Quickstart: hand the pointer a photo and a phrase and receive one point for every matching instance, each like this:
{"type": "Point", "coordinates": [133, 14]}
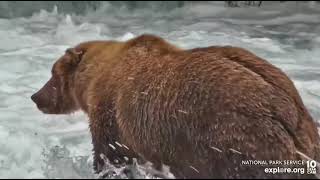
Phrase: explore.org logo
{"type": "Point", "coordinates": [284, 166]}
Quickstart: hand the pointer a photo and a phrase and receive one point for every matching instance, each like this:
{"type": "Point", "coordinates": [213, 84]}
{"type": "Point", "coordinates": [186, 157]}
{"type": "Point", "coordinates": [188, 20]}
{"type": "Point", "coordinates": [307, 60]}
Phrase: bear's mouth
{"type": "Point", "coordinates": [45, 110]}
{"type": "Point", "coordinates": [48, 110]}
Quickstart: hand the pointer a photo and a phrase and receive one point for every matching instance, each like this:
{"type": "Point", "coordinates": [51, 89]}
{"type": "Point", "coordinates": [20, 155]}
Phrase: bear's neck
{"type": "Point", "coordinates": [93, 72]}
{"type": "Point", "coordinates": [80, 92]}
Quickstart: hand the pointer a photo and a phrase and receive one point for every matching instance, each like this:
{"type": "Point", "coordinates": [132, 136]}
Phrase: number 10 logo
{"type": "Point", "coordinates": [311, 167]}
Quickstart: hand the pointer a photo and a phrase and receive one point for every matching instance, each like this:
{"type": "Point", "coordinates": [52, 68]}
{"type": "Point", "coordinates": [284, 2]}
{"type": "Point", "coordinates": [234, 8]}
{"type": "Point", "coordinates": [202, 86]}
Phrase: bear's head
{"type": "Point", "coordinates": [56, 96]}
{"type": "Point", "coordinates": [72, 74]}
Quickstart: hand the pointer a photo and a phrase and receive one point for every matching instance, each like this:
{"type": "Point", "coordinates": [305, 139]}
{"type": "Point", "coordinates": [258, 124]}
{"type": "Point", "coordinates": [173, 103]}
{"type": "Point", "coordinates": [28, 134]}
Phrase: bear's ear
{"type": "Point", "coordinates": [76, 55]}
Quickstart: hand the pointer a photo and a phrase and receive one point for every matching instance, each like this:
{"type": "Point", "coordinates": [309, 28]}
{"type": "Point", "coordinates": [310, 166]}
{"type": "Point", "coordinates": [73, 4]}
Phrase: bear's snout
{"type": "Point", "coordinates": [39, 100]}
{"type": "Point", "coordinates": [34, 98]}
{"type": "Point", "coordinates": [46, 98]}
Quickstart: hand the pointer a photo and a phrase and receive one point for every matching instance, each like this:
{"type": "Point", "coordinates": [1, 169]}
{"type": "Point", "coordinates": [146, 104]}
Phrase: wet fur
{"type": "Point", "coordinates": [200, 111]}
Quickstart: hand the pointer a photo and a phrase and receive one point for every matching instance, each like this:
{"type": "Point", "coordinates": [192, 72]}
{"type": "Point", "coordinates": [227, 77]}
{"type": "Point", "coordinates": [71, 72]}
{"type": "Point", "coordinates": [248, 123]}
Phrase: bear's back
{"type": "Point", "coordinates": [207, 108]}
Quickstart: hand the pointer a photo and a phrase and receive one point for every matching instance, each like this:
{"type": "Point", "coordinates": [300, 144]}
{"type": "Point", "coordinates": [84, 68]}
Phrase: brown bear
{"type": "Point", "coordinates": [203, 112]}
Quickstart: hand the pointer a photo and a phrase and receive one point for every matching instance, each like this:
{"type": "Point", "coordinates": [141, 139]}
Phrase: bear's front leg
{"type": "Point", "coordinates": [105, 139]}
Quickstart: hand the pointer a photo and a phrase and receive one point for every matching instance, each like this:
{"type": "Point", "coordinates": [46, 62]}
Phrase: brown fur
{"type": "Point", "coordinates": [182, 107]}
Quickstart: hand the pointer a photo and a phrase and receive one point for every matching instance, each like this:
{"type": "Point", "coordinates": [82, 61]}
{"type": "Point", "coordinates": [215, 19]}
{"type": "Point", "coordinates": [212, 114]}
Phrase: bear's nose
{"type": "Point", "coordinates": [36, 99]}
{"type": "Point", "coordinates": [33, 98]}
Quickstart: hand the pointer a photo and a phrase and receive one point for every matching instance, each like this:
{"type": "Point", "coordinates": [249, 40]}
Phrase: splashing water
{"type": "Point", "coordinates": [34, 145]}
